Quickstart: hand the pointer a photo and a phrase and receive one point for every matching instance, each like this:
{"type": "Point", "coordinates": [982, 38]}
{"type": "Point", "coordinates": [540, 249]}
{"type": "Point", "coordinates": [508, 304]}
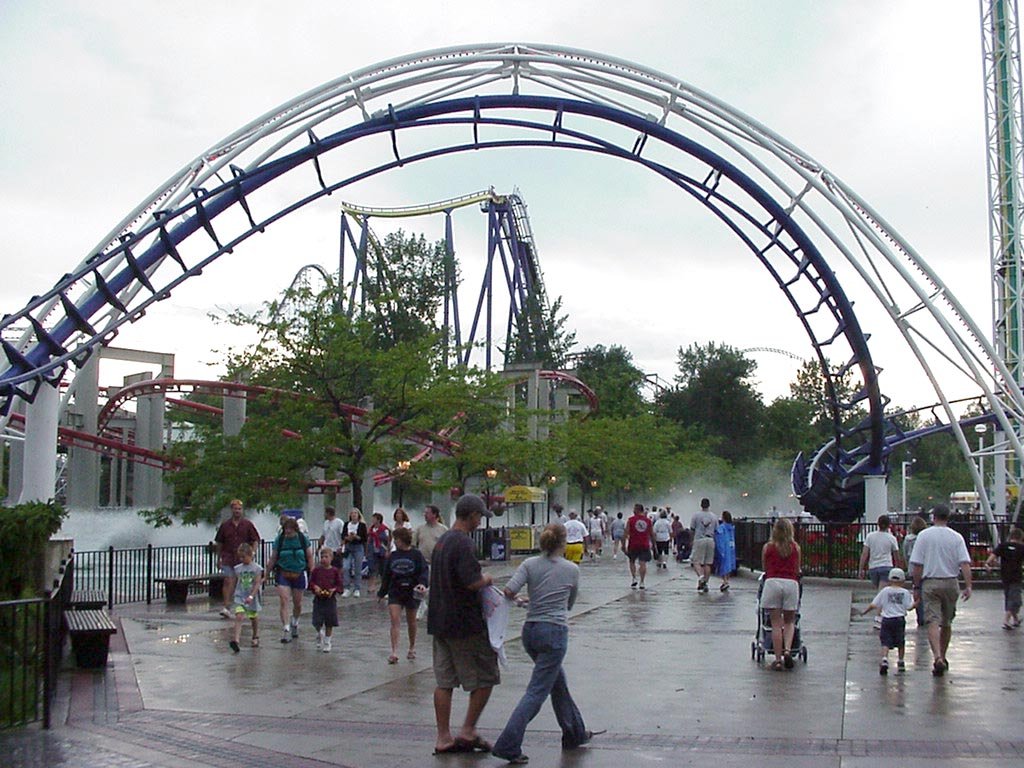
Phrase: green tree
{"type": "Point", "coordinates": [616, 381]}
{"type": "Point", "coordinates": [715, 394]}
{"type": "Point", "coordinates": [542, 335]}
{"type": "Point", "coordinates": [342, 399]}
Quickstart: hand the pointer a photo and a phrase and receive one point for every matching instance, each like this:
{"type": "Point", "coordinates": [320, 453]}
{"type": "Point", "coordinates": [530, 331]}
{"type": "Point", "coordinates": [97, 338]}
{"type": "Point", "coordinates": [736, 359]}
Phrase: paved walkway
{"type": "Point", "coordinates": [668, 672]}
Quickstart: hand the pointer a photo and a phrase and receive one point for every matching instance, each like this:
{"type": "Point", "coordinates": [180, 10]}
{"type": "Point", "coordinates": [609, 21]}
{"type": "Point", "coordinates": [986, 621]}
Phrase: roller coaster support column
{"type": "Point", "coordinates": [84, 465]}
{"type": "Point", "coordinates": [39, 472]}
{"type": "Point", "coordinates": [17, 467]}
{"type": "Point", "coordinates": [999, 478]}
{"type": "Point", "coordinates": [369, 487]}
{"type": "Point", "coordinates": [234, 413]}
{"type": "Point", "coordinates": [313, 507]}
{"type": "Point", "coordinates": [147, 486]}
{"type": "Point", "coordinates": [876, 499]}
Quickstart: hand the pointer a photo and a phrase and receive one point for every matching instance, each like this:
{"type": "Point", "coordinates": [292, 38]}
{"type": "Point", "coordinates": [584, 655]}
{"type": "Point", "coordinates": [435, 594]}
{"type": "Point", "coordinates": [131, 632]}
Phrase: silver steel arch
{"type": "Point", "coordinates": [946, 342]}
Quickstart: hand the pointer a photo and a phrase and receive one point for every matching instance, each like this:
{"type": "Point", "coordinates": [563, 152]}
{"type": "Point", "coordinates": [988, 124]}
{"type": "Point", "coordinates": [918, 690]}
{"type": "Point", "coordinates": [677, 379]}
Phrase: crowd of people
{"type": "Point", "coordinates": [433, 560]}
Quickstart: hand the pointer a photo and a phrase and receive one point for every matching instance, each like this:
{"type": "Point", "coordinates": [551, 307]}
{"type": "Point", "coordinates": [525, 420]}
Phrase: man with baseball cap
{"type": "Point", "coordinates": [462, 649]}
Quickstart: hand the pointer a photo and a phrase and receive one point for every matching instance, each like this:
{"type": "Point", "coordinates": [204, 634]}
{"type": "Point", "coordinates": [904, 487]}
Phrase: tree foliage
{"type": "Point", "coordinates": [616, 381]}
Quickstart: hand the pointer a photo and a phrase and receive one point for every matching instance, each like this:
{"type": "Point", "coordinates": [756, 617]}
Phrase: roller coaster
{"type": "Point", "coordinates": [798, 221]}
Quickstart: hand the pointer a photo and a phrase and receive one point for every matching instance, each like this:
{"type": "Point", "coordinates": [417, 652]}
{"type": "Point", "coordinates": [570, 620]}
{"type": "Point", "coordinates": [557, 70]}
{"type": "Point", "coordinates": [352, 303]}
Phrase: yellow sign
{"type": "Point", "coordinates": [518, 494]}
{"type": "Point", "coordinates": [520, 539]}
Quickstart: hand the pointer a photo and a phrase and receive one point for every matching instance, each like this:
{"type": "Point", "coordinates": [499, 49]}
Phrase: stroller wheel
{"type": "Point", "coordinates": [753, 650]}
{"type": "Point", "coordinates": [803, 654]}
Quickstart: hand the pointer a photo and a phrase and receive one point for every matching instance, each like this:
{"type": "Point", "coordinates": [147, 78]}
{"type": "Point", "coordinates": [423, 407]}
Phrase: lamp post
{"type": "Point", "coordinates": [403, 467]}
{"type": "Point", "coordinates": [552, 480]}
{"type": "Point", "coordinates": [981, 429]}
{"type": "Point", "coordinates": [593, 485]}
{"type": "Point", "coordinates": [904, 473]}
{"type": "Point", "coordinates": [491, 473]}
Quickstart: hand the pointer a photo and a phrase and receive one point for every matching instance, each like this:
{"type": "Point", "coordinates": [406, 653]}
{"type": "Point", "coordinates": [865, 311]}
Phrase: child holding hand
{"type": "Point", "coordinates": [892, 602]}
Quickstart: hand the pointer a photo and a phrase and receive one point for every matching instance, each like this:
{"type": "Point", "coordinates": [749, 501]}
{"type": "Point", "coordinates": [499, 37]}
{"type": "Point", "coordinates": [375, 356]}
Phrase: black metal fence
{"type": "Point", "coordinates": [31, 645]}
{"type": "Point", "coordinates": [833, 550]}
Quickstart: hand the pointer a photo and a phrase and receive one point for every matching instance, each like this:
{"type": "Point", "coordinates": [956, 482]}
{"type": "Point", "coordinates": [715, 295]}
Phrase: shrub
{"type": "Point", "coordinates": [24, 531]}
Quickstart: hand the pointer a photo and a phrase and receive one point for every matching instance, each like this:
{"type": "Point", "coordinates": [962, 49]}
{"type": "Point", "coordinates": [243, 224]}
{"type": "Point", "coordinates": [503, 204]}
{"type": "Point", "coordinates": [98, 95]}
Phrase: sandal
{"type": "Point", "coordinates": [392, 659]}
{"type": "Point", "coordinates": [787, 659]}
{"type": "Point", "coordinates": [411, 655]}
{"type": "Point", "coordinates": [256, 641]}
{"type": "Point", "coordinates": [776, 666]}
{"type": "Point", "coordinates": [476, 744]}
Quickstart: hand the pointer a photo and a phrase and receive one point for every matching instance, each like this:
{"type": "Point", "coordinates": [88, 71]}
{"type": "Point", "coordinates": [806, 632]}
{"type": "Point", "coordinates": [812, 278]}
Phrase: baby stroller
{"type": "Point", "coordinates": [762, 643]}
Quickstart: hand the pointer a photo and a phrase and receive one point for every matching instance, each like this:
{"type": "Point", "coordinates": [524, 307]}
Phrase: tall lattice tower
{"type": "Point", "coordinates": [1003, 124]}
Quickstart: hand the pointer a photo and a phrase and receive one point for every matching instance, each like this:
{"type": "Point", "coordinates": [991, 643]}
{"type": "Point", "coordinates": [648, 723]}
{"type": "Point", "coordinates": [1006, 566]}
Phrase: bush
{"type": "Point", "coordinates": [24, 531]}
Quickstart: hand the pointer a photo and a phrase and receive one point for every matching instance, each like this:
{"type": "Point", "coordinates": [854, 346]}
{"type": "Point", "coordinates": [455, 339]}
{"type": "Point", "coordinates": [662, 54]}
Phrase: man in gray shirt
{"type": "Point", "coordinates": [703, 524]}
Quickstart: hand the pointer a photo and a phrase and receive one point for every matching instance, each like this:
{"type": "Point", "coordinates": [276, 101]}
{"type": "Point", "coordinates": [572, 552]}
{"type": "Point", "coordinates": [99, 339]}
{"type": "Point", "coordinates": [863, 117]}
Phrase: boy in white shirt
{"type": "Point", "coordinates": [892, 602]}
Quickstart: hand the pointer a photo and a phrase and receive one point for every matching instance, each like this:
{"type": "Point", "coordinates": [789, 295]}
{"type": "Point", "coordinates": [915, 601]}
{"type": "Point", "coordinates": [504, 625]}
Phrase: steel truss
{"type": "Point", "coordinates": [800, 221]}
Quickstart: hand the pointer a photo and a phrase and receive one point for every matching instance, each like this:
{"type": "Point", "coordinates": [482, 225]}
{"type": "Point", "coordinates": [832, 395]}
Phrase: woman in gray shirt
{"type": "Point", "coordinates": [551, 581]}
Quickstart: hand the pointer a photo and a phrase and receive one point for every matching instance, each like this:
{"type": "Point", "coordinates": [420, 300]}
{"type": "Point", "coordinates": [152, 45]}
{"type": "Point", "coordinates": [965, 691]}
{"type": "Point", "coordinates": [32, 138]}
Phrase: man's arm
{"type": "Point", "coordinates": [865, 553]}
{"type": "Point", "coordinates": [965, 570]}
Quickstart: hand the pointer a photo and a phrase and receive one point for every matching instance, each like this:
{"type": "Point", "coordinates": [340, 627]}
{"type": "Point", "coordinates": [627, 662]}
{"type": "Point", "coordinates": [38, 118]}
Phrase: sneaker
{"type": "Point", "coordinates": [327, 645]}
{"type": "Point", "coordinates": [320, 640]}
{"type": "Point", "coordinates": [226, 613]}
{"type": "Point", "coordinates": [901, 667]}
{"type": "Point", "coordinates": [642, 587]}
{"type": "Point", "coordinates": [234, 646]}
{"type": "Point", "coordinates": [883, 668]}
{"type": "Point", "coordinates": [633, 585]}
{"type": "Point", "coordinates": [286, 636]}
{"type": "Point", "coordinates": [347, 593]}
{"type": "Point", "coordinates": [938, 669]}
{"type": "Point", "coordinates": [295, 628]}
{"type": "Point", "coordinates": [356, 593]}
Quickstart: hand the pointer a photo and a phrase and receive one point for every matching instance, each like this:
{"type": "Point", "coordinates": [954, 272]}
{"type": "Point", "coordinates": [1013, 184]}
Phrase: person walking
{"type": "Point", "coordinates": [1010, 557]}
{"type": "Point", "coordinates": [662, 530]}
{"type": "Point", "coordinates": [780, 595]}
{"type": "Point", "coordinates": [355, 551]}
{"type": "Point", "coordinates": [231, 534]}
{"type": "Point", "coordinates": [402, 582]}
{"type": "Point", "coordinates": [552, 583]}
{"type": "Point", "coordinates": [939, 554]}
{"type": "Point", "coordinates": [333, 535]}
{"type": "Point", "coordinates": [576, 533]}
{"type": "Point", "coordinates": [725, 550]}
{"type": "Point", "coordinates": [917, 525]}
{"type": "Point", "coordinates": [462, 652]}
{"type": "Point", "coordinates": [426, 536]}
{"type": "Point", "coordinates": [880, 554]}
{"type": "Point", "coordinates": [618, 531]}
{"type": "Point", "coordinates": [293, 557]}
{"type": "Point", "coordinates": [702, 557]}
{"type": "Point", "coordinates": [638, 544]}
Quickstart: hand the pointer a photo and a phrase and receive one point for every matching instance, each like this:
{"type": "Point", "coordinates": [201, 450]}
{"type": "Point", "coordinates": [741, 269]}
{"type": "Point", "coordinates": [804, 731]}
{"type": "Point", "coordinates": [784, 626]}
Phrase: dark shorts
{"type": "Point", "coordinates": [662, 547]}
{"type": "Point", "coordinates": [325, 612]}
{"type": "Point", "coordinates": [404, 599]}
{"type": "Point", "coordinates": [1011, 597]}
{"type": "Point", "coordinates": [643, 555]}
{"type": "Point", "coordinates": [893, 632]}
{"type": "Point", "coordinates": [299, 583]}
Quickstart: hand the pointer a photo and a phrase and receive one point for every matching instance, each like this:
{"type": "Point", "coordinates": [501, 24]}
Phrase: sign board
{"type": "Point", "coordinates": [520, 539]}
{"type": "Point", "coordinates": [518, 494]}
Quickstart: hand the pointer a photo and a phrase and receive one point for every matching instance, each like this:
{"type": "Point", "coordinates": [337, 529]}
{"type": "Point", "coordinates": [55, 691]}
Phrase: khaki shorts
{"type": "Point", "coordinates": [703, 552]}
{"type": "Point", "coordinates": [466, 661]}
{"type": "Point", "coordinates": [940, 596]}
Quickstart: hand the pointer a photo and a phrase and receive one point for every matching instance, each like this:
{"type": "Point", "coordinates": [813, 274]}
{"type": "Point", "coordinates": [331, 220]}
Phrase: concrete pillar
{"type": "Point", "coordinates": [544, 404]}
{"type": "Point", "coordinates": [39, 473]}
{"type": "Point", "coordinates": [147, 485]}
{"type": "Point", "coordinates": [234, 414]}
{"type": "Point", "coordinates": [875, 497]}
{"type": "Point", "coordinates": [313, 508]}
{"type": "Point", "coordinates": [84, 465]}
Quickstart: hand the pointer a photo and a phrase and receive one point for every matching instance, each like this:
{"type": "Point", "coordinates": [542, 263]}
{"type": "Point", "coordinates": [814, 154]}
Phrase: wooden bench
{"type": "Point", "coordinates": [90, 632]}
{"type": "Point", "coordinates": [176, 588]}
{"type": "Point", "coordinates": [87, 600]}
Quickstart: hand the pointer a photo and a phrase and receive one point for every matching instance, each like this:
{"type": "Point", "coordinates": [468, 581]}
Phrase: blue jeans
{"type": "Point", "coordinates": [353, 563]}
{"type": "Point", "coordinates": [547, 644]}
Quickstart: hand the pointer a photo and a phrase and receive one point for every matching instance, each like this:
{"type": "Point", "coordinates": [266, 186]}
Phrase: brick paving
{"type": "Point", "coordinates": [172, 695]}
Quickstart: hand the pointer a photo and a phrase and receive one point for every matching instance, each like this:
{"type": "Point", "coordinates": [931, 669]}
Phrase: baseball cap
{"type": "Point", "coordinates": [897, 574]}
{"type": "Point", "coordinates": [470, 503]}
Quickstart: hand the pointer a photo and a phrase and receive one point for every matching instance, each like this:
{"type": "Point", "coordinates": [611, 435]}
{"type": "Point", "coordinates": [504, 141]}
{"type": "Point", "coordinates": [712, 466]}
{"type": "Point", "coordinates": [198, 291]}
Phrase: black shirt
{"type": "Point", "coordinates": [1011, 555]}
{"type": "Point", "coordinates": [454, 610]}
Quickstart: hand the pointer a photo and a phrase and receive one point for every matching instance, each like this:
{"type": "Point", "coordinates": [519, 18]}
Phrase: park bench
{"type": "Point", "coordinates": [90, 632]}
{"type": "Point", "coordinates": [87, 599]}
{"type": "Point", "coordinates": [176, 587]}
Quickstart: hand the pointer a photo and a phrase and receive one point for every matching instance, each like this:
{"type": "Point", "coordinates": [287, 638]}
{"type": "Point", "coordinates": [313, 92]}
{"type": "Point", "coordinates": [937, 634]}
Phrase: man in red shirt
{"type": "Point", "coordinates": [232, 532]}
{"type": "Point", "coordinates": [638, 543]}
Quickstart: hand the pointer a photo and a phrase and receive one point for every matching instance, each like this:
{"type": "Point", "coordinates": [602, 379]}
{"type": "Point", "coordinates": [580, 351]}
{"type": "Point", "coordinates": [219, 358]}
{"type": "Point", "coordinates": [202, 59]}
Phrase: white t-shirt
{"type": "Point", "coordinates": [662, 529]}
{"type": "Point", "coordinates": [894, 602]}
{"type": "Point", "coordinates": [596, 527]}
{"type": "Point", "coordinates": [940, 550]}
{"type": "Point", "coordinates": [575, 531]}
{"type": "Point", "coordinates": [333, 529]}
{"type": "Point", "coordinates": [881, 546]}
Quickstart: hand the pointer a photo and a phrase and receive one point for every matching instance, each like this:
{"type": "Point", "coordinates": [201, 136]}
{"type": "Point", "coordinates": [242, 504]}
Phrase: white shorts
{"type": "Point", "coordinates": [780, 593]}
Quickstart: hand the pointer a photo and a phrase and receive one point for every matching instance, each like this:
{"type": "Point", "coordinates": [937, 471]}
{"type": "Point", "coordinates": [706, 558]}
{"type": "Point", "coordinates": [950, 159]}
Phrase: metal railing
{"type": "Point", "coordinates": [833, 550]}
{"type": "Point", "coordinates": [31, 646]}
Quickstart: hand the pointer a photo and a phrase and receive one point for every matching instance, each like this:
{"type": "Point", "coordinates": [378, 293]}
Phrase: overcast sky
{"type": "Point", "coordinates": [105, 100]}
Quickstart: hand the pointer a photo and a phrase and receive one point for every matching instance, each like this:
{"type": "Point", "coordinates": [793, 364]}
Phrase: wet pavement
{"type": "Point", "coordinates": [667, 671]}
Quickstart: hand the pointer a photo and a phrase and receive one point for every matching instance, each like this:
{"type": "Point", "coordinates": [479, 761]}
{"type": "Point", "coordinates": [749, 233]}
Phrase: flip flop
{"type": "Point", "coordinates": [411, 655]}
{"type": "Point", "coordinates": [477, 744]}
{"type": "Point", "coordinates": [454, 748]}
{"type": "Point", "coordinates": [392, 659]}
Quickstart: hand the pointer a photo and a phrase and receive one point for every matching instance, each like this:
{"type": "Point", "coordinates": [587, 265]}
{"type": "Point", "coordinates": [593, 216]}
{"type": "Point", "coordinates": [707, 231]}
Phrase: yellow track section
{"type": "Point", "coordinates": [425, 209]}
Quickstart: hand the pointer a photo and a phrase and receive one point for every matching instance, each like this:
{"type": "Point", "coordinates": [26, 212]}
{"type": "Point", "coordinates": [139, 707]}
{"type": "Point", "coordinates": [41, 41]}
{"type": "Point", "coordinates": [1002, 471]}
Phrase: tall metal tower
{"type": "Point", "coordinates": [1004, 111]}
